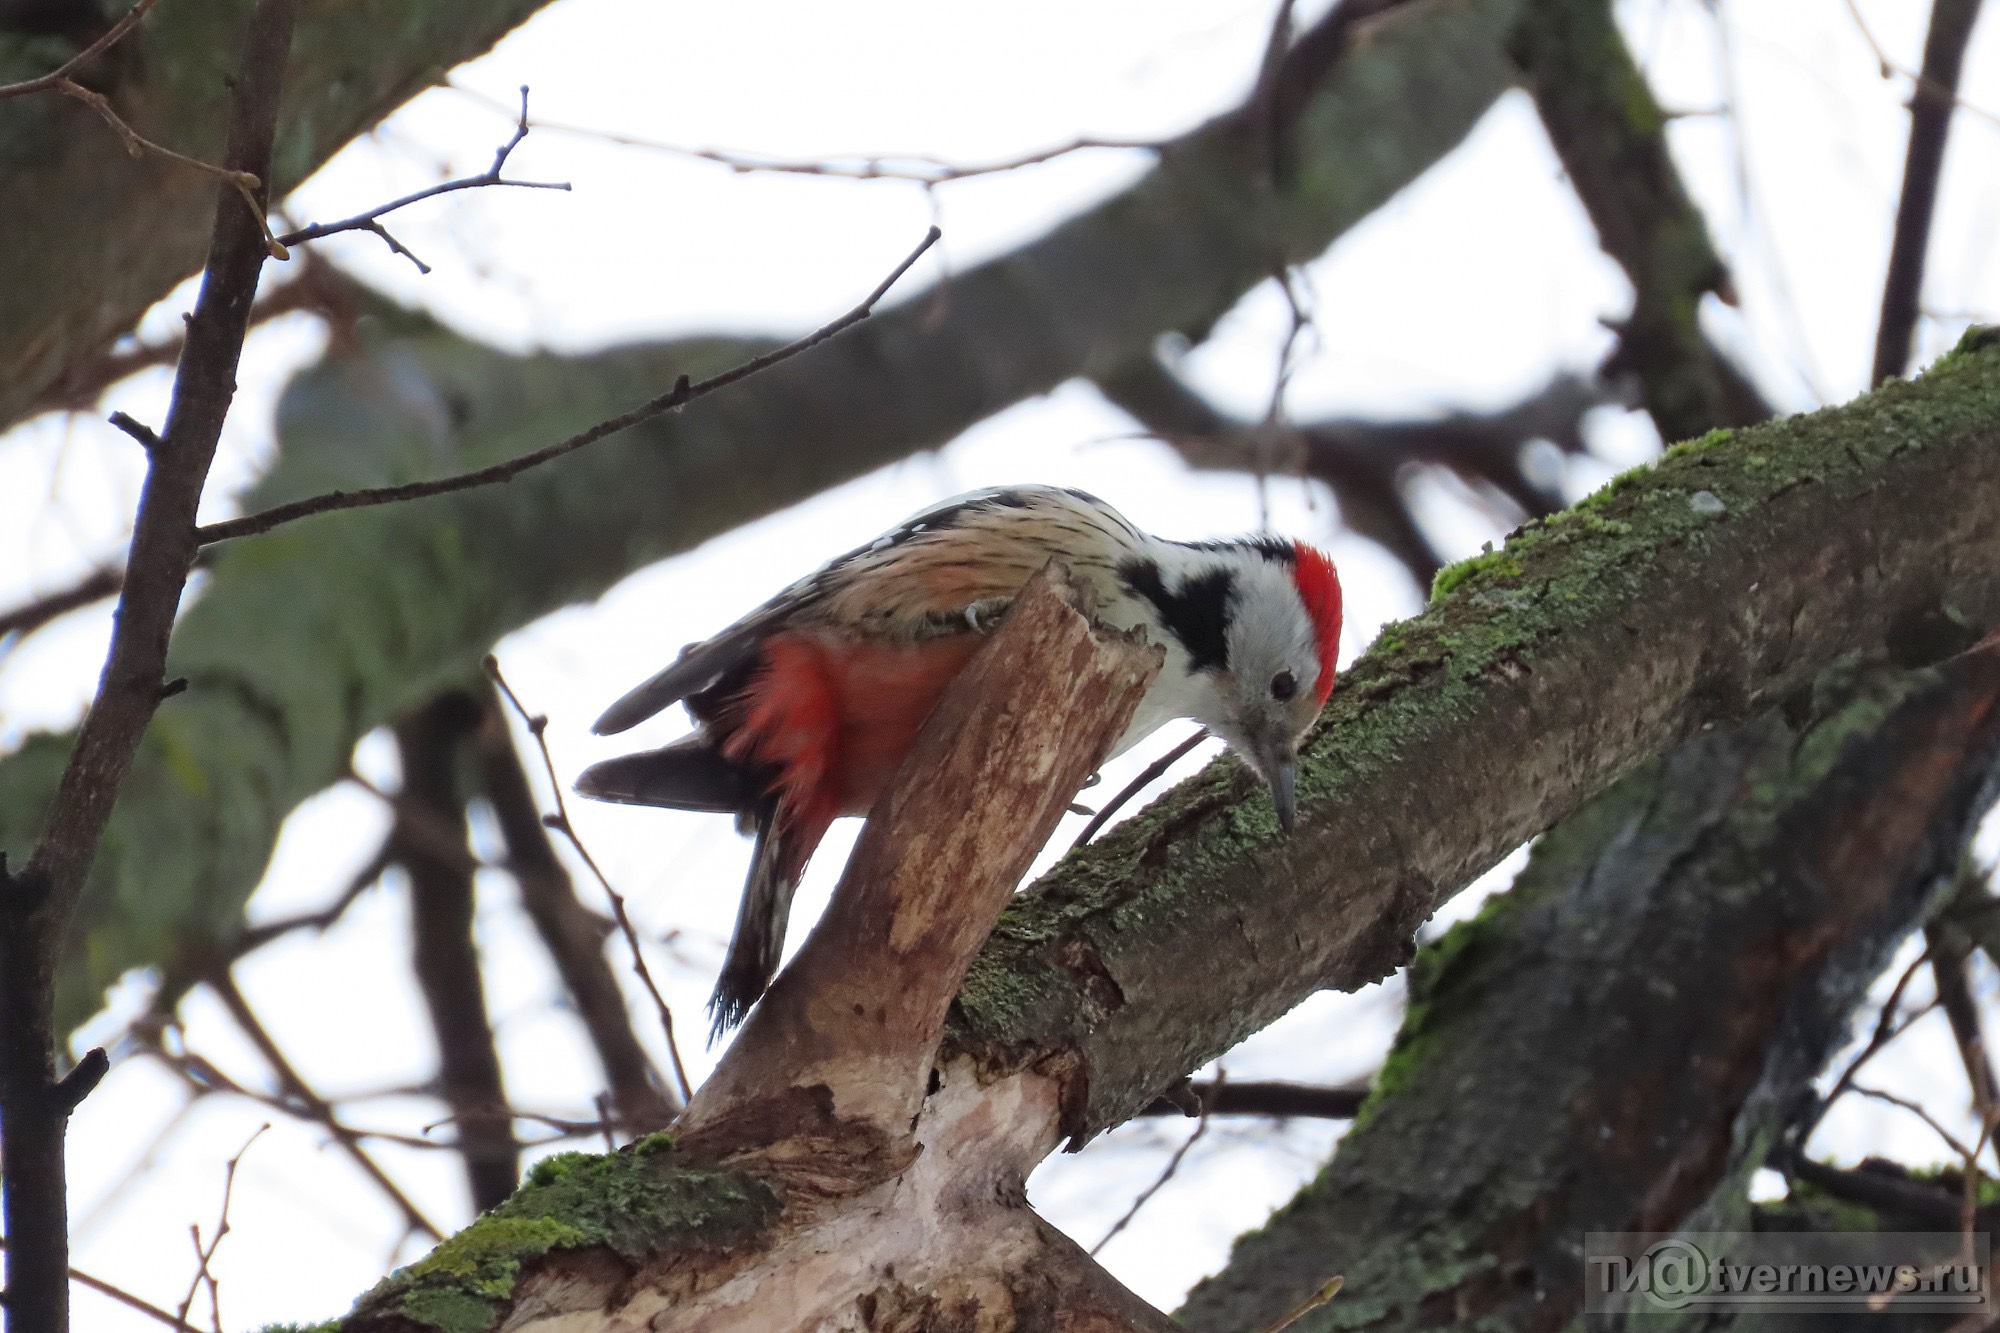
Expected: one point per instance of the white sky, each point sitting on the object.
(1466, 290)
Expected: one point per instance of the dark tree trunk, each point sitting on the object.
(1619, 1041)
(430, 845)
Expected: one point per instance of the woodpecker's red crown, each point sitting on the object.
(1319, 589)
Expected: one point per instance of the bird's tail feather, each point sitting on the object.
(759, 939)
(688, 775)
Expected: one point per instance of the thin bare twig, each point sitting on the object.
(1916, 78)
(318, 1109)
(204, 1255)
(93, 587)
(1888, 1027)
(437, 837)
(1366, 463)
(371, 220)
(60, 74)
(246, 183)
(680, 395)
(203, 1079)
(1917, 1109)
(915, 168)
(119, 1294)
(1277, 433)
(572, 933)
(1147, 777)
(1173, 1166)
(256, 937)
(1326, 1292)
(538, 726)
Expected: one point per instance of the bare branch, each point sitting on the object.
(205, 1254)
(1947, 949)
(1365, 462)
(1931, 106)
(1172, 1168)
(1890, 1024)
(573, 934)
(1152, 773)
(316, 1107)
(1879, 1185)
(680, 395)
(1916, 78)
(246, 183)
(538, 725)
(1282, 1100)
(256, 937)
(1609, 132)
(36, 906)
(371, 220)
(445, 956)
(917, 168)
(60, 74)
(119, 1294)
(1326, 1292)
(1917, 1109)
(31, 616)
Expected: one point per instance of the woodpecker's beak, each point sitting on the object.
(1279, 765)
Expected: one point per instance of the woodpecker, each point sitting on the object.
(805, 707)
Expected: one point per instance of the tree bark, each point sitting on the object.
(71, 195)
(1615, 1044)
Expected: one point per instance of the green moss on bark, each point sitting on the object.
(1435, 973)
(640, 1204)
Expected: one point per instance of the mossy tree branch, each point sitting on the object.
(1698, 592)
(1682, 595)
(1615, 1044)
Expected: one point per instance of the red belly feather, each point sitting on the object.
(835, 716)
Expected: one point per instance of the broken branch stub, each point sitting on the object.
(849, 1030)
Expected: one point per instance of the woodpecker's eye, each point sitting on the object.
(1283, 686)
